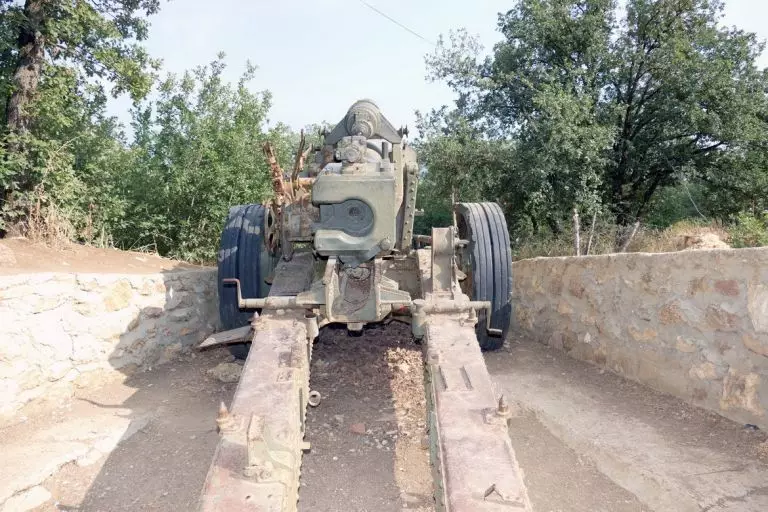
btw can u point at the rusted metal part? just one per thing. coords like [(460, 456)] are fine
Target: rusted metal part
[(224, 421), (258, 460), (467, 309), (257, 463), (356, 285), (292, 211), (503, 409), (349, 294), (300, 156), (273, 221), (313, 328), (409, 211), (271, 302), (278, 186), (442, 263), (314, 398), (422, 240), (474, 465), (299, 217), (444, 294), (271, 227), (225, 337), (305, 182)]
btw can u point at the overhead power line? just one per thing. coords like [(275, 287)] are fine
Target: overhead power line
[(685, 185), (393, 20)]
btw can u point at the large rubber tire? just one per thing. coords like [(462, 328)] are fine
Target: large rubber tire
[(487, 261), (242, 255)]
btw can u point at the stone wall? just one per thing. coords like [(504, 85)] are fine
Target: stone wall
[(59, 329), (693, 324)]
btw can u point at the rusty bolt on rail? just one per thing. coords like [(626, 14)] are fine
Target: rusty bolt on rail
[(224, 420), (503, 408)]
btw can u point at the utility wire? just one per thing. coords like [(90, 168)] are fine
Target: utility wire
[(374, 9), (683, 180), (685, 185)]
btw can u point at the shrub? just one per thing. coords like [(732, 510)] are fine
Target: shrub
[(750, 230)]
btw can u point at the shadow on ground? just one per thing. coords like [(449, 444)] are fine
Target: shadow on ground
[(162, 466), (367, 434)]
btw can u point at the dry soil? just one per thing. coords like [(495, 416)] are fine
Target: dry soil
[(19, 255)]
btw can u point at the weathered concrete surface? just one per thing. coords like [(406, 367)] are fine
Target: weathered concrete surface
[(58, 330), (84, 437), (669, 455), (693, 324), (139, 444)]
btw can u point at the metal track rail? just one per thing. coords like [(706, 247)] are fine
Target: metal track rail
[(474, 465), (257, 464)]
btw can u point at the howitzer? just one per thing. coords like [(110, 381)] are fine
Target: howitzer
[(336, 245)]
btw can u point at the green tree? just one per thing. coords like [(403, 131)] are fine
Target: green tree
[(604, 112), (56, 57), (197, 152), (689, 95), (98, 38), (462, 163)]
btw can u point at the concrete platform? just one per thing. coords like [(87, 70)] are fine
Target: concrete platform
[(666, 454)]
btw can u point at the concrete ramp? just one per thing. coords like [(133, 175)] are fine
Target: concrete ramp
[(630, 448)]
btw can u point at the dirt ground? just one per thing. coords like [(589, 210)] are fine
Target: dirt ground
[(18, 255), (586, 440), (368, 434)]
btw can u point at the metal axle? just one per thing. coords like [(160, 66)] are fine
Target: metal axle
[(419, 307)]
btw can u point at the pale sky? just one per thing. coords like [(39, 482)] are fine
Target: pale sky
[(317, 57)]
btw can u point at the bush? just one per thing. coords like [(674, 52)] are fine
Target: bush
[(675, 204), (681, 235), (197, 153), (750, 230)]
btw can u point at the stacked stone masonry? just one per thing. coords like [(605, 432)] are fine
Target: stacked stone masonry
[(693, 324), (56, 329)]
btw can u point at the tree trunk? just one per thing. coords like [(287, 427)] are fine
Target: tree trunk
[(554, 225), (622, 216), (26, 76)]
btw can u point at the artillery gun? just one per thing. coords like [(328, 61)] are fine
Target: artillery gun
[(336, 245)]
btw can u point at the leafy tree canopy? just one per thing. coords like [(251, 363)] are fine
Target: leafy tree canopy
[(591, 108), (197, 152), (59, 60)]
